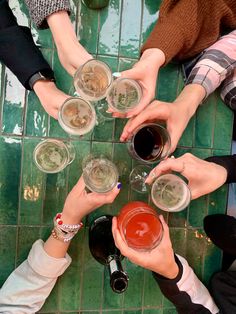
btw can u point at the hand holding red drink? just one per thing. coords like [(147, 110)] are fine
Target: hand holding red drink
[(160, 260)]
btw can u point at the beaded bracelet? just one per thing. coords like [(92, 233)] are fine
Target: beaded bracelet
[(64, 232), (66, 227)]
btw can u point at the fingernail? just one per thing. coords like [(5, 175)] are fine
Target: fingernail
[(119, 186)]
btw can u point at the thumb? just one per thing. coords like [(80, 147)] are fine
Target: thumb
[(131, 73)]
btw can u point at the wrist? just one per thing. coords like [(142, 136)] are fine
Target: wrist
[(170, 272), (156, 55), (71, 219)]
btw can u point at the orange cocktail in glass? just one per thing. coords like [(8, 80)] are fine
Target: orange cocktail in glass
[(140, 226)]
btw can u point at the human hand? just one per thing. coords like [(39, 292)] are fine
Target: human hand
[(159, 110), (203, 176), (145, 71), (160, 260), (80, 203), (71, 54)]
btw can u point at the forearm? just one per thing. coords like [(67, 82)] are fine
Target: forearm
[(40, 9), (58, 21), (186, 291), (38, 273), (188, 101), (216, 64)]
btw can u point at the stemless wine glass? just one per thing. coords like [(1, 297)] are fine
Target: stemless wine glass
[(77, 116), (170, 193), (137, 178), (140, 226), (124, 95), (93, 79), (150, 143), (52, 156), (100, 174)]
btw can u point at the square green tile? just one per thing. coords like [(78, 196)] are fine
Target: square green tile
[(167, 83)]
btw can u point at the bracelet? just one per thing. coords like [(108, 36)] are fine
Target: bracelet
[(64, 232), (66, 227)]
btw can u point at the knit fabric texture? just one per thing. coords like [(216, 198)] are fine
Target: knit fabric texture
[(186, 27), (40, 9)]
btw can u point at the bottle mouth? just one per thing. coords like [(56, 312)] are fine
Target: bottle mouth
[(119, 285)]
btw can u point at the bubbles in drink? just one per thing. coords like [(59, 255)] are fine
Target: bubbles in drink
[(77, 116), (100, 175), (124, 94), (92, 80), (170, 192), (51, 156)]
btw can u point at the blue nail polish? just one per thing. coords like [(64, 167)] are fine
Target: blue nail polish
[(119, 186)]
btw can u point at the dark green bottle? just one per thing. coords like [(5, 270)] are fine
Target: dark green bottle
[(103, 249)]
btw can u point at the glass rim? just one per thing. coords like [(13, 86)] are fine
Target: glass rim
[(48, 140), (117, 81), (78, 74), (62, 121), (180, 181), (164, 130)]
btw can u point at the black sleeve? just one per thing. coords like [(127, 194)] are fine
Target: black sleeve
[(229, 163), (17, 48), (186, 291)]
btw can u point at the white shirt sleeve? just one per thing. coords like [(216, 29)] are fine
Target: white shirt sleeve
[(29, 285)]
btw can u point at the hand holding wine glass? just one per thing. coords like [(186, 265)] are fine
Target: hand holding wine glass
[(80, 203), (160, 260), (145, 72), (203, 176)]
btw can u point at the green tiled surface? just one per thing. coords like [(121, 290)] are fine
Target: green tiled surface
[(29, 199)]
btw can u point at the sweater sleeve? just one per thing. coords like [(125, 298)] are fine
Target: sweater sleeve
[(186, 291), (217, 63), (229, 163), (41, 9), (38, 273), (186, 27)]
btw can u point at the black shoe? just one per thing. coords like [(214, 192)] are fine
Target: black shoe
[(221, 229)]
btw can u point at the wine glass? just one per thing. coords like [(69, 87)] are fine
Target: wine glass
[(52, 156), (137, 178), (170, 193), (100, 174), (77, 116)]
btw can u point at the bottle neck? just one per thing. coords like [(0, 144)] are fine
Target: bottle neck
[(118, 278)]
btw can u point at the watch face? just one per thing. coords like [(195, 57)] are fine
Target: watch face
[(39, 76)]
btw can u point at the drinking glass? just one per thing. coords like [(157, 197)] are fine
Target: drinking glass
[(137, 178), (140, 226), (150, 143), (124, 95), (52, 156), (77, 116), (100, 174), (170, 193), (92, 80)]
